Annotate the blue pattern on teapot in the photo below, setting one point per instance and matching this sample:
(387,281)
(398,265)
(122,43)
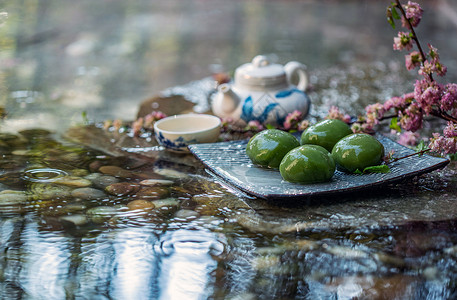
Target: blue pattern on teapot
(262,91)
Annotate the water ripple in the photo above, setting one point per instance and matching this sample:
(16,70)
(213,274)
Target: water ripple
(43,174)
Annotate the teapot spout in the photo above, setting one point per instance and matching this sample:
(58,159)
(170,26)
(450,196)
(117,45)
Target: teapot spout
(230,99)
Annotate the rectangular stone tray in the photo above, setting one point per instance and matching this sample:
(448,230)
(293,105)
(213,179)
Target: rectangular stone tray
(228,161)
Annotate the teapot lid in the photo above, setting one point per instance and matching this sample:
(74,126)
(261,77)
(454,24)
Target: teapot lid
(260,73)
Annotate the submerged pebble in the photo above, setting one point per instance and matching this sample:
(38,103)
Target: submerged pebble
(122,188)
(76,219)
(88,193)
(153,193)
(10,197)
(167,202)
(73,207)
(186,214)
(73,181)
(141,205)
(45,191)
(79,172)
(101,214)
(102,181)
(115,171)
(153,182)
(95,165)
(170,173)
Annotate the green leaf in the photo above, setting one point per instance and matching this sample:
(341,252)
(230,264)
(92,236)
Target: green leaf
(269,126)
(421,147)
(391,22)
(358,172)
(394,124)
(395,14)
(377,169)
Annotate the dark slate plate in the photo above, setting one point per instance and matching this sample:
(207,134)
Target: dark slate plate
(229,161)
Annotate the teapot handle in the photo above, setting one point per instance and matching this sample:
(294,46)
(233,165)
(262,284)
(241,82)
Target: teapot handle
(294,67)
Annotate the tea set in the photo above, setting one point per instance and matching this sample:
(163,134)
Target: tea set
(261,91)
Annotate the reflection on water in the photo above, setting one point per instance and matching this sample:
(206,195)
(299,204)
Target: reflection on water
(45,263)
(188,265)
(134,272)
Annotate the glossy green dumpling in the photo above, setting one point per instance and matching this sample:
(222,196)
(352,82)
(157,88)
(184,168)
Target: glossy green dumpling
(307,164)
(326,133)
(268,147)
(357,151)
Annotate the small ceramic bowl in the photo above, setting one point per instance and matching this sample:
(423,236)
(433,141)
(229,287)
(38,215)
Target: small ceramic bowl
(175,133)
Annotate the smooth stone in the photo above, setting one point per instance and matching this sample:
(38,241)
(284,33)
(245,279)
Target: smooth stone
(79,173)
(70,157)
(167,202)
(88,193)
(73,207)
(76,219)
(102,181)
(122,189)
(10,197)
(300,245)
(170,173)
(92,176)
(141,205)
(115,171)
(95,165)
(73,181)
(153,182)
(153,193)
(101,214)
(186,214)
(45,191)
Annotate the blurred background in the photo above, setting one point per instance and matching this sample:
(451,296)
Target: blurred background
(62,59)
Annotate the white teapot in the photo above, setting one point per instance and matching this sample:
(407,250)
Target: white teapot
(263,91)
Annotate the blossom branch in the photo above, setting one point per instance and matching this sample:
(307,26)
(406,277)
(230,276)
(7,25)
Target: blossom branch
(413,32)
(409,155)
(443,115)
